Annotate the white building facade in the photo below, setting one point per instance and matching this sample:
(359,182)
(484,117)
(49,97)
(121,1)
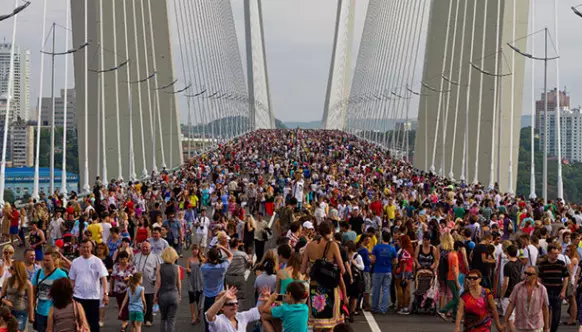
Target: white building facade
(570,133)
(20,103)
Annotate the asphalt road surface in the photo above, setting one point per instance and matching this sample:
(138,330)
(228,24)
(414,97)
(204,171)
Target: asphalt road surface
(362,323)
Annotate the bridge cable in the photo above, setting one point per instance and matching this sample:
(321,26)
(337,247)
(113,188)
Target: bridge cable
(406,71)
(35,189)
(496,108)
(459,84)
(439,105)
(132,174)
(464,161)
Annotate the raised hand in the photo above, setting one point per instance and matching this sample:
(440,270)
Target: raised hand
(265,293)
(230,293)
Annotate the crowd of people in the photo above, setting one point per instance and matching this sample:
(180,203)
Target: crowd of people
(327,224)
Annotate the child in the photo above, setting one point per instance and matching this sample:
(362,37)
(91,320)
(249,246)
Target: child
(7,322)
(293,312)
(136,298)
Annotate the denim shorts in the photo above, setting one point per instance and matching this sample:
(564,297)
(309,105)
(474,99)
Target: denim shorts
(404,275)
(22,317)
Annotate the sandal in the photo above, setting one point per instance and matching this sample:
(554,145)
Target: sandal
(569,324)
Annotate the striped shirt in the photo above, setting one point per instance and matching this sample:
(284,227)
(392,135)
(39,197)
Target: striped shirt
(552,274)
(529,315)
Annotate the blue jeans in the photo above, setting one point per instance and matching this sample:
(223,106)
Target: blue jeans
(40,322)
(381,281)
(21,317)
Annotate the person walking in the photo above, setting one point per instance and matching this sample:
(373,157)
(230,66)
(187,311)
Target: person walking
(213,274)
(157,243)
(135,301)
(148,263)
(235,274)
(42,283)
(17,294)
(528,304)
(453,283)
(168,290)
(122,272)
(65,313)
(511,277)
(324,302)
(36,239)
(383,257)
(89,277)
(477,307)
(195,283)
(261,236)
(554,276)
(200,228)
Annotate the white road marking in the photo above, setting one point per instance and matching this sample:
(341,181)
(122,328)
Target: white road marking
(372,322)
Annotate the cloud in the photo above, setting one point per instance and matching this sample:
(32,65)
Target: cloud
(299,36)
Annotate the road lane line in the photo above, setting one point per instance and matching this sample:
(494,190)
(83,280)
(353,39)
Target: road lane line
(372,322)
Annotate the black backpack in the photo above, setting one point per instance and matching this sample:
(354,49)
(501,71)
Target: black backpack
(358,278)
(325,273)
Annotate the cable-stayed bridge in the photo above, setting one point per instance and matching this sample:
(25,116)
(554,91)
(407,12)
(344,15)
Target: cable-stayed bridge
(455,65)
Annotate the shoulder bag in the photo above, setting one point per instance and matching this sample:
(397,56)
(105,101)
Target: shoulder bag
(325,273)
(79,326)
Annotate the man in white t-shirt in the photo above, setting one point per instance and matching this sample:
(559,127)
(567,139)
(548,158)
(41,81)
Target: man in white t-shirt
(56,228)
(298,191)
(201,230)
(89,277)
(106,226)
(530,253)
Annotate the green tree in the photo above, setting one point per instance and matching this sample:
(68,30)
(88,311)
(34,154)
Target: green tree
(72,149)
(571,174)
(9,196)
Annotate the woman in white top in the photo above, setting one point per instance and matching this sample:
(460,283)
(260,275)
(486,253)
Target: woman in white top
(572,253)
(6,263)
(260,239)
(356,275)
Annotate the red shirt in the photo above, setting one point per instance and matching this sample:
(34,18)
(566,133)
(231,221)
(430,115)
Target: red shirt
(14,218)
(376,206)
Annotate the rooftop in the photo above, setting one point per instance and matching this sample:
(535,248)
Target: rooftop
(29,171)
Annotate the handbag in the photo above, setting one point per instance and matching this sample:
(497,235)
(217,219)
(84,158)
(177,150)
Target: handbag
(325,273)
(267,234)
(80,327)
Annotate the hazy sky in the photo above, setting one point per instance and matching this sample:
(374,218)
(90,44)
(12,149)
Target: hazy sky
(299,37)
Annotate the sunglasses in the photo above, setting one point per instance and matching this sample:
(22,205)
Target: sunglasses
(529,274)
(473,278)
(230,304)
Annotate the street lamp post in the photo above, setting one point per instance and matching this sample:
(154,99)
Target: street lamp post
(545,59)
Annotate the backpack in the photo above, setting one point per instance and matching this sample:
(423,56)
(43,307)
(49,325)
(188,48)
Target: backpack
(325,273)
(358,277)
(443,270)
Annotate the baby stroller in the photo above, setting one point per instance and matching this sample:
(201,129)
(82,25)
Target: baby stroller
(68,246)
(425,292)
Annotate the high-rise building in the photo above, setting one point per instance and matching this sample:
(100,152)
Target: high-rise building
(540,118)
(47,109)
(20,103)
(570,133)
(540,104)
(21,144)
